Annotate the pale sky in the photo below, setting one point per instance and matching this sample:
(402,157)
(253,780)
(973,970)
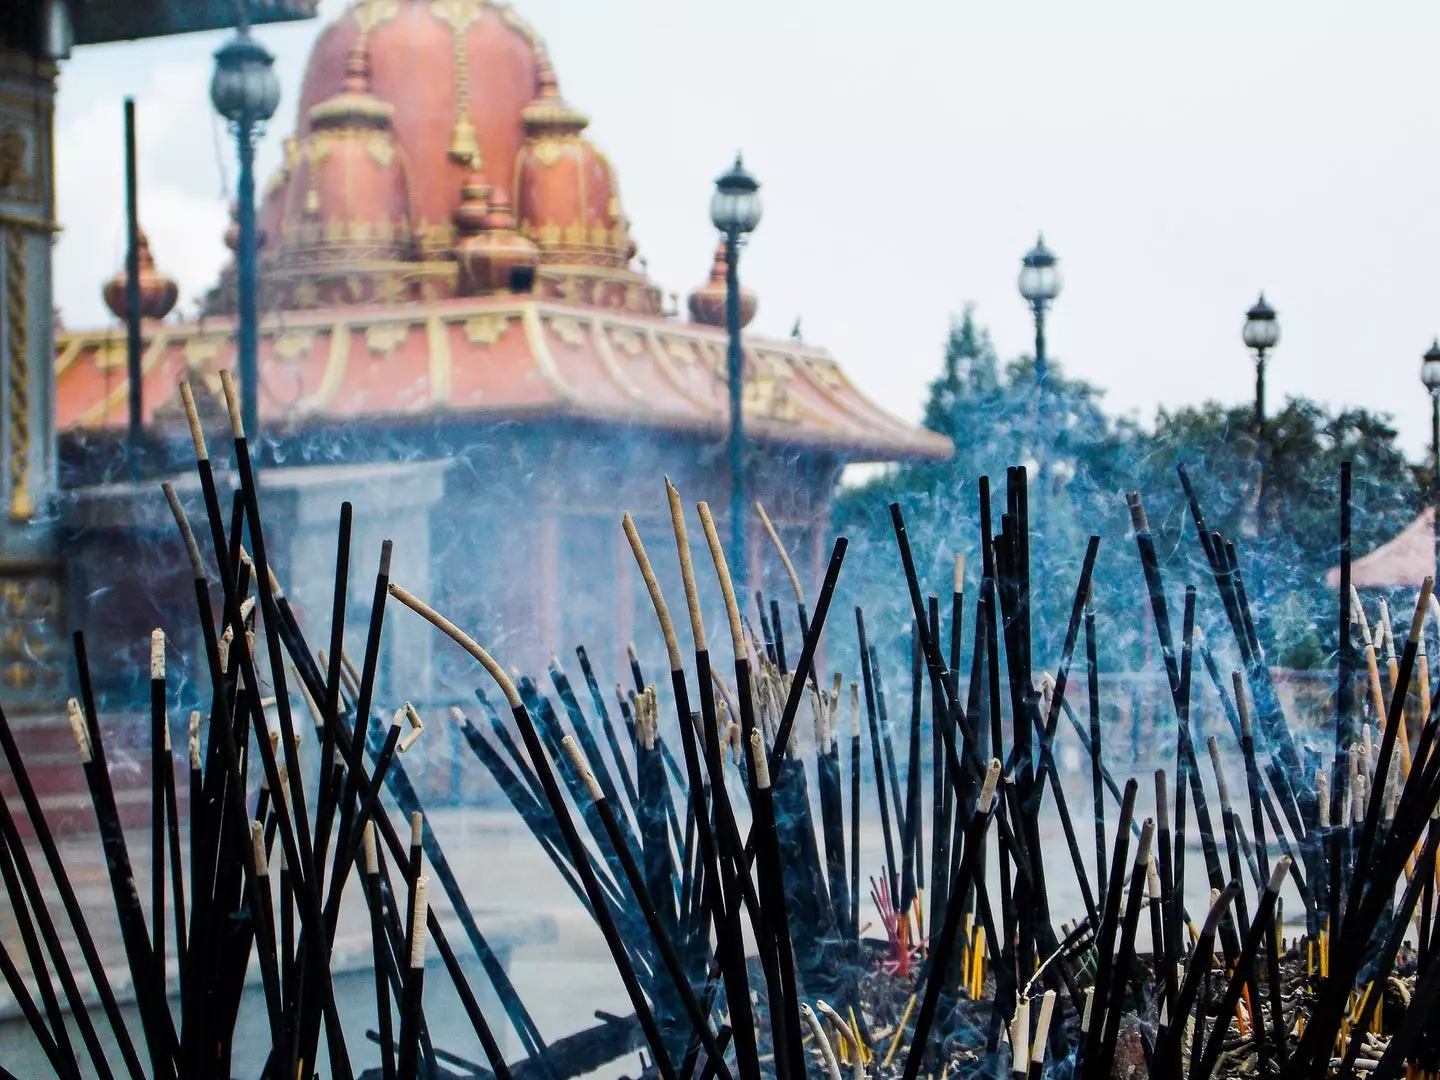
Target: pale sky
(1179,157)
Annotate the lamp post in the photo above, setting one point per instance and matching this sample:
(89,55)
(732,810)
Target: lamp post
(245,91)
(1430,376)
(1261,333)
(735,211)
(1039,284)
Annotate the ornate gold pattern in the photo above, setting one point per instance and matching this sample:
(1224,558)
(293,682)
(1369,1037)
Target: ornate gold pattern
(15,177)
(485,330)
(767,396)
(569,330)
(682,352)
(29,604)
(17,314)
(335,365)
(382,339)
(293,344)
(464,145)
(627,340)
(372,13)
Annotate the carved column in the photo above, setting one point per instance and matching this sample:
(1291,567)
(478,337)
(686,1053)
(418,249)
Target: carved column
(32,654)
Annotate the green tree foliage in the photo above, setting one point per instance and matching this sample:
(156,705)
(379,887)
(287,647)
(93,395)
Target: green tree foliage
(1081,461)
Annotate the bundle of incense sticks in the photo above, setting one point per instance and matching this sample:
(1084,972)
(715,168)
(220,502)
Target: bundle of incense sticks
(728,897)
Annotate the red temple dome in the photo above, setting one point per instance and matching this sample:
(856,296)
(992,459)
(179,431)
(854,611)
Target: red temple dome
(707,303)
(456,75)
(567,198)
(347,200)
(158,293)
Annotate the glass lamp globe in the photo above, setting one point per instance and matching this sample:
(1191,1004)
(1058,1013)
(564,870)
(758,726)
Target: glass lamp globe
(1430,368)
(244,88)
(735,206)
(1039,275)
(1261,331)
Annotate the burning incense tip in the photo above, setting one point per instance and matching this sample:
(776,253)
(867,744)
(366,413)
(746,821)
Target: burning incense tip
(1089,1005)
(417,829)
(79,730)
(232,402)
(577,756)
(1020,1039)
(417,727)
(657,599)
(1138,520)
(1277,876)
(372,854)
(257,845)
(687,567)
(987,790)
(722,571)
(194,752)
(455,634)
(1042,1027)
(192,549)
(275,588)
(817,1031)
(1222,786)
(959,572)
(757,755)
(418,928)
(1422,603)
(1242,703)
(157,655)
(1152,878)
(192,414)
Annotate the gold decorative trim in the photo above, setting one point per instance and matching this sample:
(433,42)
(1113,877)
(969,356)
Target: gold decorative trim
(661,356)
(95,415)
(540,350)
(382,339)
(568,329)
(608,361)
(17,312)
(371,13)
(487,329)
(293,344)
(68,351)
(200,351)
(437,333)
(336,364)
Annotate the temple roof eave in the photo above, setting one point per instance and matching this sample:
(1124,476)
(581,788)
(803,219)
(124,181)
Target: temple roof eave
(502,357)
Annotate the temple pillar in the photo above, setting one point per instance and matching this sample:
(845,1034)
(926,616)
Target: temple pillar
(391,502)
(33,654)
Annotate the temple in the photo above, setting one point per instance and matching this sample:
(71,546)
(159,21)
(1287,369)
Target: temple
(458,338)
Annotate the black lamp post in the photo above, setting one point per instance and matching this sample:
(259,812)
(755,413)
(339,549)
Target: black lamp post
(735,210)
(1260,333)
(1430,376)
(245,92)
(1039,284)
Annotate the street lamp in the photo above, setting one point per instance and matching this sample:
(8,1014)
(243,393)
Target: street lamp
(1261,333)
(1039,283)
(1430,376)
(735,211)
(245,91)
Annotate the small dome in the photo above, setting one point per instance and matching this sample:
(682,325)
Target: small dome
(491,253)
(158,293)
(347,201)
(707,303)
(567,197)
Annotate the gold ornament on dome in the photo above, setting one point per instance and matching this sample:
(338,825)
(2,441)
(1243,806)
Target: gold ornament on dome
(547,152)
(549,234)
(569,330)
(382,339)
(458,13)
(371,13)
(575,233)
(485,330)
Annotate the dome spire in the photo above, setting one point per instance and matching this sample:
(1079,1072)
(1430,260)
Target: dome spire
(549,113)
(158,293)
(355,105)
